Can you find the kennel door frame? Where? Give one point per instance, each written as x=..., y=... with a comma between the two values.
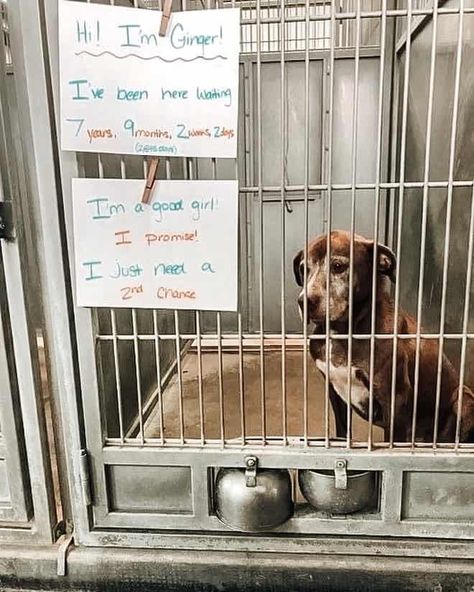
x=30, y=517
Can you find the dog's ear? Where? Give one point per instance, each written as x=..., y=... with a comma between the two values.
x=297, y=268
x=386, y=260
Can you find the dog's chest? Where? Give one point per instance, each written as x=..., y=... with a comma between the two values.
x=338, y=377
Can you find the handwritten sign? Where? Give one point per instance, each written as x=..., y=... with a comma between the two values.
x=125, y=89
x=178, y=252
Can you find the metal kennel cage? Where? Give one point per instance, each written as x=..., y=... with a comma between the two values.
x=352, y=115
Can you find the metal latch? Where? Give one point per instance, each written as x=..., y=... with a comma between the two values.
x=64, y=544
x=85, y=477
x=251, y=463
x=340, y=473
x=6, y=220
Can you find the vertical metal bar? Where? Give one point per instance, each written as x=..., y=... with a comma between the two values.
x=447, y=237
x=239, y=325
x=118, y=383
x=261, y=226
x=158, y=375
x=241, y=381
x=378, y=165
x=180, y=376
x=137, y=375
x=100, y=166
x=424, y=219
x=283, y=220
x=390, y=219
x=220, y=365
x=329, y=218
x=221, y=380
x=355, y=113
x=465, y=323
x=200, y=389
x=199, y=345
x=306, y=227
x=115, y=340
x=94, y=315
x=179, y=370
x=400, y=218
x=136, y=347
x=346, y=27
x=251, y=35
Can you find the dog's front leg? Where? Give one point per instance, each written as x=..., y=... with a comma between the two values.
x=339, y=407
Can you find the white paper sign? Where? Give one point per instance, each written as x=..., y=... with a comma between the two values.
x=125, y=89
x=178, y=252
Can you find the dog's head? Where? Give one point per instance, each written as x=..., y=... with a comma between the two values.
x=339, y=264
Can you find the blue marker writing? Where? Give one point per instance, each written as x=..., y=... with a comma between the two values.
x=207, y=267
x=92, y=275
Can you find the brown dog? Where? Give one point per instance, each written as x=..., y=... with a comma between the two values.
x=316, y=295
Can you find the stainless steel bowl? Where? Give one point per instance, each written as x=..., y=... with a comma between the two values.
x=253, y=508
x=319, y=488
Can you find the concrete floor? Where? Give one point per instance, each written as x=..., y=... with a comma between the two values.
x=232, y=416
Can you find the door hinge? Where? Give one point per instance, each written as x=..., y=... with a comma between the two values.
x=85, y=475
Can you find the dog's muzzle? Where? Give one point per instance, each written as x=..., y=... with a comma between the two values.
x=312, y=308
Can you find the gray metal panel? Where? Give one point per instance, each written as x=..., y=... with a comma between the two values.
x=307, y=521
x=366, y=121
x=366, y=150
x=154, y=489
x=447, y=496
x=293, y=154
x=273, y=149
x=272, y=259
x=330, y=544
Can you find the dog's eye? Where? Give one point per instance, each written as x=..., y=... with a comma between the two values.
x=338, y=266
